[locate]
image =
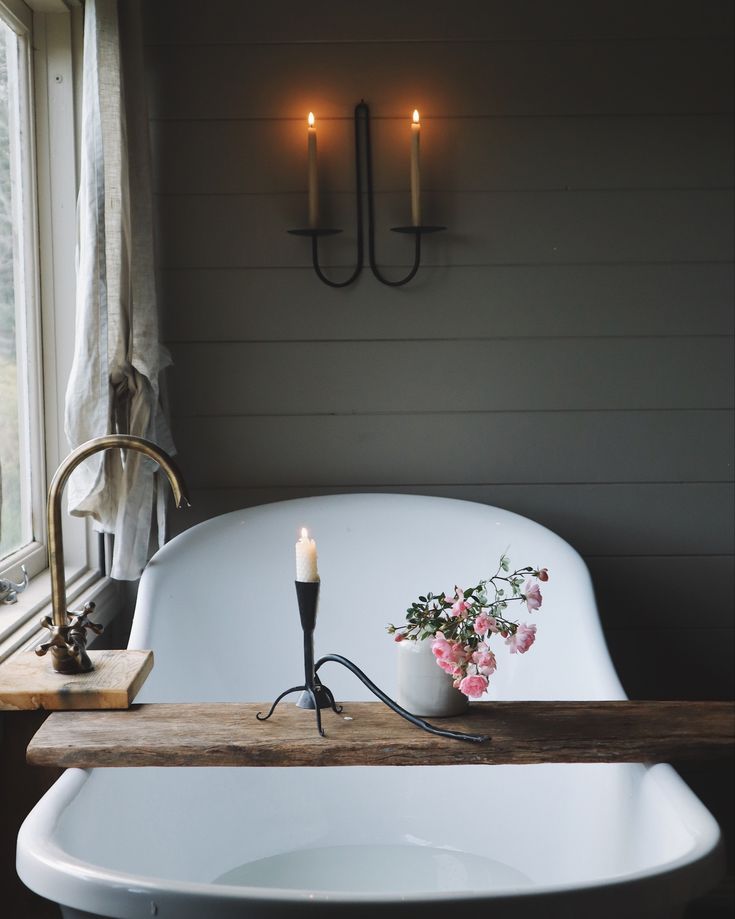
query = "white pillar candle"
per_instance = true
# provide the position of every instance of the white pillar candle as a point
(415, 171)
(306, 558)
(313, 179)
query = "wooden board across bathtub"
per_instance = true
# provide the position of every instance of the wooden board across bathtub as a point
(369, 734)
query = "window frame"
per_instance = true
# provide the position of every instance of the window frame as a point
(54, 95)
(18, 18)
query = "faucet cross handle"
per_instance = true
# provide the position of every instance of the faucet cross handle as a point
(70, 641)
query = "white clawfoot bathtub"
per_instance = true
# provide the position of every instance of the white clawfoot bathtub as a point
(218, 607)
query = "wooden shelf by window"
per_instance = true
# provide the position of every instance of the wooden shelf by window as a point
(29, 682)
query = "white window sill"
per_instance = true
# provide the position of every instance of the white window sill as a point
(20, 627)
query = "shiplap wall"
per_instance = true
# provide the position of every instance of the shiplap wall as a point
(566, 352)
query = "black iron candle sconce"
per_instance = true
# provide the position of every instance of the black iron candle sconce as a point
(315, 695)
(362, 141)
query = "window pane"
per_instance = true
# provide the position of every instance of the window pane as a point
(15, 515)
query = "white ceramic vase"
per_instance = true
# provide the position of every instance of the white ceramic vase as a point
(424, 689)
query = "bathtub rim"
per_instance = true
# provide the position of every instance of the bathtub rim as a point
(47, 869)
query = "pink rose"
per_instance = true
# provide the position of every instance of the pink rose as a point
(484, 624)
(447, 665)
(485, 661)
(450, 655)
(522, 640)
(473, 686)
(532, 596)
(459, 604)
(439, 645)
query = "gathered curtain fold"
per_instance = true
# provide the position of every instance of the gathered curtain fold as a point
(114, 382)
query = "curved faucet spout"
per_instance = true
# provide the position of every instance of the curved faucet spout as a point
(56, 543)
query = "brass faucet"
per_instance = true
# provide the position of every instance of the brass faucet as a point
(69, 630)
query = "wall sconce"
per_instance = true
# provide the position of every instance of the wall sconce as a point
(314, 231)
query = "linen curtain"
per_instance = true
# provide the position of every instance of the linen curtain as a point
(114, 381)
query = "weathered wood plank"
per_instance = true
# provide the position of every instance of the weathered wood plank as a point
(485, 228)
(367, 733)
(225, 378)
(500, 301)
(446, 448)
(468, 154)
(171, 21)
(29, 682)
(440, 78)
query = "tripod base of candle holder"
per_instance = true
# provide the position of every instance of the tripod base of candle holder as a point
(314, 697)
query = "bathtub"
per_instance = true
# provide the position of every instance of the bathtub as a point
(217, 605)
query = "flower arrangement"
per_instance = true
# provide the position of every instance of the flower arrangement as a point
(461, 625)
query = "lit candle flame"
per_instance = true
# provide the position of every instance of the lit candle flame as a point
(311, 119)
(304, 533)
(415, 116)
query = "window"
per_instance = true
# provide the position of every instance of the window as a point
(22, 477)
(40, 50)
(13, 514)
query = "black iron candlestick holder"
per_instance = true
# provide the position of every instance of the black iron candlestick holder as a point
(362, 140)
(314, 694)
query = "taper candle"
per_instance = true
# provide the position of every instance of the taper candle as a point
(313, 178)
(306, 569)
(415, 171)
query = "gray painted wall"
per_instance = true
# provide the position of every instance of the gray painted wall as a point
(567, 350)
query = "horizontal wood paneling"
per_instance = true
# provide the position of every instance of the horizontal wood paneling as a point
(484, 228)
(486, 302)
(664, 593)
(598, 519)
(674, 665)
(171, 21)
(454, 448)
(440, 78)
(621, 373)
(476, 154)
